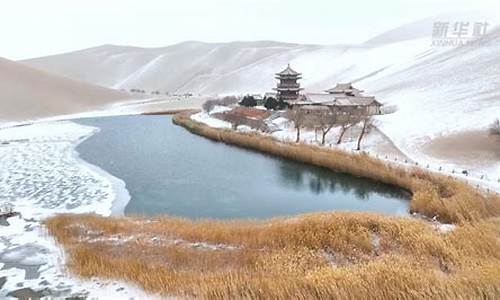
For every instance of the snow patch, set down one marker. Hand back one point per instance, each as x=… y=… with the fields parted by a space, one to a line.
x=41 y=175
x=445 y=228
x=206 y=119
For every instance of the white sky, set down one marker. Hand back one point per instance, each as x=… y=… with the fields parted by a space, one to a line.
x=42 y=27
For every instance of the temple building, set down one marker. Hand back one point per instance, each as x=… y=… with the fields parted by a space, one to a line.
x=344 y=96
x=346 y=104
x=288 y=88
x=344 y=89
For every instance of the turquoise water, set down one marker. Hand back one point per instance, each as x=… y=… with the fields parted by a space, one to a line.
x=168 y=170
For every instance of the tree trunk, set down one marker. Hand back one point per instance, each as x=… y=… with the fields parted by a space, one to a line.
x=359 y=140
x=344 y=129
x=363 y=130
x=323 y=138
x=298 y=135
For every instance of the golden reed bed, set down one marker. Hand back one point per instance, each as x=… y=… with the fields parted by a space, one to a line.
x=325 y=255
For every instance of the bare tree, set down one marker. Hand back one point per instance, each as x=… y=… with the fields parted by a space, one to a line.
x=233 y=119
x=210 y=104
x=326 y=121
x=495 y=128
x=345 y=121
x=366 y=121
x=298 y=117
x=228 y=100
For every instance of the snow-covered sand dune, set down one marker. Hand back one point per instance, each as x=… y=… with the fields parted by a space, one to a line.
x=241 y=67
x=437 y=90
x=222 y=68
x=41 y=175
x=400 y=67
x=27 y=93
x=441 y=94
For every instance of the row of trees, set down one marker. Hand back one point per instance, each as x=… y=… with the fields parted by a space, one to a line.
x=137 y=91
x=248 y=101
x=270 y=103
x=273 y=104
x=323 y=121
x=156 y=92
x=140 y=91
x=209 y=105
x=329 y=119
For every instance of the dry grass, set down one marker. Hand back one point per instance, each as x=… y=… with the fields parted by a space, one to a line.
x=325 y=255
x=434 y=195
x=344 y=255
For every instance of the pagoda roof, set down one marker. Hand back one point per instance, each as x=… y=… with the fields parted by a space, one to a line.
x=344 y=88
x=288 y=72
x=328 y=99
x=292 y=89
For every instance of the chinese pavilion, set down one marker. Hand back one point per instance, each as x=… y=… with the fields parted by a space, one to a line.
x=345 y=89
x=288 y=88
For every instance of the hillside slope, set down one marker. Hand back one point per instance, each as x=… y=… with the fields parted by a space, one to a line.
x=454 y=91
x=189 y=66
x=241 y=67
x=27 y=93
x=237 y=67
x=438 y=91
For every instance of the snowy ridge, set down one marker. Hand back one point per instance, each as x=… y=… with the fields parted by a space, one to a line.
x=448 y=92
x=438 y=90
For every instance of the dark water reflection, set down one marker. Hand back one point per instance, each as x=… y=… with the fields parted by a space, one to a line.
x=170 y=171
x=319 y=181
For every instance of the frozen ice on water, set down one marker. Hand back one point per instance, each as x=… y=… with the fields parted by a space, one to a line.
x=45 y=171
x=29 y=255
x=41 y=175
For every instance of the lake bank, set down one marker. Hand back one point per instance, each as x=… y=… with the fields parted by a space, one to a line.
x=322 y=255
x=319 y=255
x=168 y=170
x=434 y=195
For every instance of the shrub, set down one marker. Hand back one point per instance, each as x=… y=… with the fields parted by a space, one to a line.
x=283 y=105
x=271 y=103
x=209 y=105
x=228 y=100
x=225 y=101
x=248 y=101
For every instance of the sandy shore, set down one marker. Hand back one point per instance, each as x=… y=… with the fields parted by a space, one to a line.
x=162 y=105
x=475 y=150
